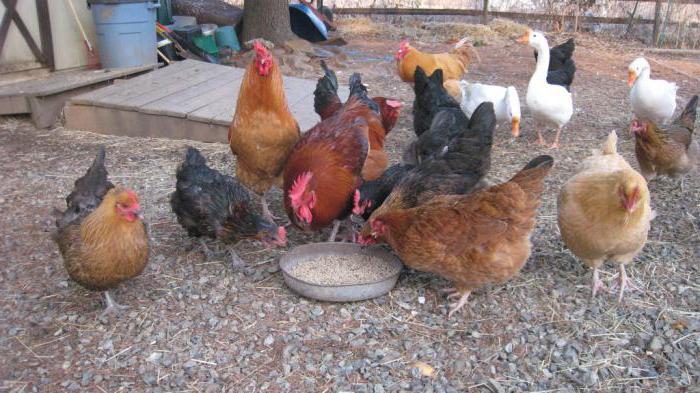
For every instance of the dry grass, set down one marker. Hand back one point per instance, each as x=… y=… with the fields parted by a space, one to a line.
x=506 y=27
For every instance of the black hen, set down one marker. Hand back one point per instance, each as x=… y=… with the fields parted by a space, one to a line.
x=431 y=98
x=562 y=67
x=374 y=192
x=458 y=168
x=326 y=100
x=87 y=193
x=208 y=203
x=560 y=54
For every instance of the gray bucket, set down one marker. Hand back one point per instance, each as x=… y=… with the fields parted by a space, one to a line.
x=126 y=32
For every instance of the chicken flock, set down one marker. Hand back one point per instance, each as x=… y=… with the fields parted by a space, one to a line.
x=435 y=210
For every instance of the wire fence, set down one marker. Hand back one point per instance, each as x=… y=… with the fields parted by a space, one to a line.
x=678 y=21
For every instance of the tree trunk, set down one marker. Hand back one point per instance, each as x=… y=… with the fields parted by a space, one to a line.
x=485 y=13
x=268 y=19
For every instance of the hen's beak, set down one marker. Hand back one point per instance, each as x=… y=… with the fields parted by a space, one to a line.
x=515 y=128
x=631 y=77
x=525 y=38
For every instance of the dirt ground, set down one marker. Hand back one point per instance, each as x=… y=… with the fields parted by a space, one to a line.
x=200 y=325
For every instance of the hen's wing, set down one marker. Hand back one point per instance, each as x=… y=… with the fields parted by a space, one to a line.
x=87 y=193
x=563 y=76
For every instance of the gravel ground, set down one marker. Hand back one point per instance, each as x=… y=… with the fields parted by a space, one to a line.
x=198 y=324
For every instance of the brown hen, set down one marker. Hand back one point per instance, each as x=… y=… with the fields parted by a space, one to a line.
x=472 y=240
x=101 y=235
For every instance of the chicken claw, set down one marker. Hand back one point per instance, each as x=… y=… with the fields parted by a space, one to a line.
x=625 y=282
x=266 y=210
x=454 y=307
x=111 y=305
x=234 y=259
x=334 y=232
x=597 y=284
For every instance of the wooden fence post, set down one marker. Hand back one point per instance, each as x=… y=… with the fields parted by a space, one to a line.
x=657 y=23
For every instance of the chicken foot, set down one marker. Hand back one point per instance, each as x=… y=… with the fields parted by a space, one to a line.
x=463 y=296
x=266 y=210
x=111 y=305
x=334 y=232
x=625 y=282
x=597 y=283
x=208 y=254
x=234 y=259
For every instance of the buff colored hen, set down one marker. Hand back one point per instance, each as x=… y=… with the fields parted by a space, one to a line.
x=604 y=212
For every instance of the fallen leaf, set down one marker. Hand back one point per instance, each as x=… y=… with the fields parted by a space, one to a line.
x=426 y=370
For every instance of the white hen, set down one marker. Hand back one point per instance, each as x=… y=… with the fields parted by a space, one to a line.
x=506 y=103
x=652 y=99
x=550 y=104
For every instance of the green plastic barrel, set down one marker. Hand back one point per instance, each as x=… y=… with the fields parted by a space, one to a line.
x=165 y=12
x=226 y=37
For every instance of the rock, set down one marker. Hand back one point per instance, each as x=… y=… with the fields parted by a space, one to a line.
x=656 y=344
x=298 y=46
x=269 y=340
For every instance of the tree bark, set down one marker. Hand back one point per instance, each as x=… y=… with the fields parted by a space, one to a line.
x=485 y=13
x=268 y=19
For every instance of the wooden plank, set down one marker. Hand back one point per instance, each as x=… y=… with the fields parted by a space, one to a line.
x=42 y=11
x=178 y=85
x=216 y=110
x=95 y=98
x=59 y=82
x=14 y=105
x=195 y=97
x=129 y=123
x=6 y=20
x=19 y=23
x=153 y=86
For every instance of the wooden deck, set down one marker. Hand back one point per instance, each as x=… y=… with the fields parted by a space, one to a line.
x=44 y=97
x=186 y=100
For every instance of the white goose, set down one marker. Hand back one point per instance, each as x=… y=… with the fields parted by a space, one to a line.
x=652 y=99
x=506 y=102
x=550 y=104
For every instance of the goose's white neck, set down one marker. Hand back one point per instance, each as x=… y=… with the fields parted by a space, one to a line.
x=540 y=74
x=645 y=74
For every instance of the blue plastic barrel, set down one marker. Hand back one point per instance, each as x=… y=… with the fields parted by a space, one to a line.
x=126 y=32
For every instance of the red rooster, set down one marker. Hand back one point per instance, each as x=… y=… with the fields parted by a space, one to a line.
x=323 y=170
x=381 y=117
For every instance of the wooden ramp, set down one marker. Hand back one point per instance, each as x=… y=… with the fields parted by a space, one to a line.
x=186 y=100
x=45 y=96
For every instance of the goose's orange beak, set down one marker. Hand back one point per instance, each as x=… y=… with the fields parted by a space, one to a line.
x=515 y=129
x=525 y=38
x=631 y=77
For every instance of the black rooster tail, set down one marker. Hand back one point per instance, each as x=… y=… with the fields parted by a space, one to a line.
x=687 y=117
x=531 y=177
x=194 y=158
x=356 y=86
x=326 y=91
x=329 y=76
